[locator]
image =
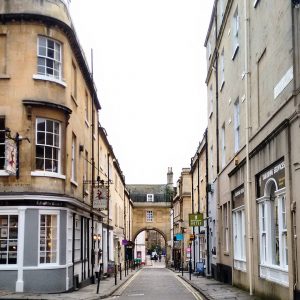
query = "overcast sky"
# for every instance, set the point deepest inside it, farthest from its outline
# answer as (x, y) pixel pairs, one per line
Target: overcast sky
(149, 69)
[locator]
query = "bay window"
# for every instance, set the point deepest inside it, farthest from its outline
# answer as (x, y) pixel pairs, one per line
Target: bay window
(48, 145)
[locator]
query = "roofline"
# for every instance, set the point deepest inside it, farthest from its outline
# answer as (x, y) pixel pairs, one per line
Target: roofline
(69, 33)
(210, 22)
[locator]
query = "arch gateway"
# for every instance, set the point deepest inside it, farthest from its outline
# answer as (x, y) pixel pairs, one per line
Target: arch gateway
(152, 208)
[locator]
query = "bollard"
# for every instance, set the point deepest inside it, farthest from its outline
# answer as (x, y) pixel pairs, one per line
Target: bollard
(116, 271)
(190, 269)
(120, 268)
(99, 277)
(182, 269)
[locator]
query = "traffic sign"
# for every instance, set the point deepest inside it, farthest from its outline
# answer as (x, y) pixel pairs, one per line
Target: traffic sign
(195, 219)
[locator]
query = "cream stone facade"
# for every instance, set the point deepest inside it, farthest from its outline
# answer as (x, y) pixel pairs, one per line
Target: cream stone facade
(53, 239)
(253, 150)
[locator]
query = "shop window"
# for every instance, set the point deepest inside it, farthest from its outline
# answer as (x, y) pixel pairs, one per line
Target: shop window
(8, 239)
(48, 239)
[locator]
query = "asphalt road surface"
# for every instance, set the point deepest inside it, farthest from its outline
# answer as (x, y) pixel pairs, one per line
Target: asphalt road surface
(156, 284)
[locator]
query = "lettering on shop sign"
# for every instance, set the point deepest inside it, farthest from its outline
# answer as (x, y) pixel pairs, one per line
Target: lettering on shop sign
(238, 197)
(276, 172)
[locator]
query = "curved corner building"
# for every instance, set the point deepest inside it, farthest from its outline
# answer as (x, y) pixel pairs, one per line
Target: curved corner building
(48, 108)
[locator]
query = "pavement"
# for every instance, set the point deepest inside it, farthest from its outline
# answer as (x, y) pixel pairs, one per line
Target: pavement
(215, 290)
(107, 288)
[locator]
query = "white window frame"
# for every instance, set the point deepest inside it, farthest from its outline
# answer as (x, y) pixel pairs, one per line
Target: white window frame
(235, 32)
(222, 69)
(51, 213)
(223, 146)
(236, 125)
(77, 238)
(69, 248)
(149, 216)
(209, 50)
(255, 2)
(211, 101)
(226, 227)
(56, 60)
(211, 163)
(150, 197)
(8, 239)
(2, 143)
(222, 11)
(268, 268)
(44, 171)
(239, 238)
(73, 159)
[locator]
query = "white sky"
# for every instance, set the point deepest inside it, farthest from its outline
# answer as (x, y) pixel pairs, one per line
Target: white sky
(149, 69)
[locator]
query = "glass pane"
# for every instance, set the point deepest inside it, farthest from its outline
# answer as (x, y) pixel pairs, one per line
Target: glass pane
(12, 257)
(50, 53)
(50, 44)
(2, 136)
(42, 51)
(43, 220)
(3, 257)
(3, 220)
(12, 245)
(2, 150)
(49, 126)
(49, 139)
(40, 151)
(40, 125)
(49, 63)
(13, 233)
(56, 140)
(41, 70)
(42, 41)
(48, 152)
(53, 257)
(48, 165)
(55, 166)
(2, 162)
(56, 127)
(49, 71)
(49, 245)
(3, 245)
(41, 138)
(55, 153)
(39, 164)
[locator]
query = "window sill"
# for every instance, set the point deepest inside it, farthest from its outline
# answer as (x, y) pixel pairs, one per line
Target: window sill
(3, 173)
(226, 253)
(255, 3)
(47, 174)
(74, 182)
(235, 52)
(4, 76)
(87, 123)
(48, 78)
(210, 114)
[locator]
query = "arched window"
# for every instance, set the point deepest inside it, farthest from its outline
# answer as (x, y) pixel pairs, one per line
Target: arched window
(273, 231)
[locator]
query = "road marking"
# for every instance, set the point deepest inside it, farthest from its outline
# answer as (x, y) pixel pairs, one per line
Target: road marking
(135, 295)
(125, 285)
(189, 288)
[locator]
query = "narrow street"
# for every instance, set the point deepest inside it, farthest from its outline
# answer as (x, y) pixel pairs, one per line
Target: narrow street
(156, 282)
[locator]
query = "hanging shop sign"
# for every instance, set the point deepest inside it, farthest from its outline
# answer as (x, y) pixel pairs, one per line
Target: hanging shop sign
(195, 219)
(238, 197)
(11, 157)
(179, 237)
(275, 172)
(100, 200)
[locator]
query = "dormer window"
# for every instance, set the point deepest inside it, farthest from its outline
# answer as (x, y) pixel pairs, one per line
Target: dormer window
(150, 197)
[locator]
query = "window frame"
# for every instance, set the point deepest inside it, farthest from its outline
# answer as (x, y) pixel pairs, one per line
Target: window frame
(59, 161)
(2, 144)
(237, 125)
(223, 146)
(235, 32)
(51, 213)
(149, 216)
(150, 197)
(74, 159)
(44, 75)
(222, 68)
(8, 239)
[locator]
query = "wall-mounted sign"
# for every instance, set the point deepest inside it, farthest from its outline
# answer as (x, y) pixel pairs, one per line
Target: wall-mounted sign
(195, 219)
(276, 172)
(238, 197)
(124, 242)
(100, 200)
(11, 157)
(179, 237)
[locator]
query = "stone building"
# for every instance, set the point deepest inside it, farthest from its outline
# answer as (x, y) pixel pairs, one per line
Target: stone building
(51, 236)
(253, 149)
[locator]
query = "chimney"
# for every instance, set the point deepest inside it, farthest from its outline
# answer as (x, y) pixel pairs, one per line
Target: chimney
(170, 178)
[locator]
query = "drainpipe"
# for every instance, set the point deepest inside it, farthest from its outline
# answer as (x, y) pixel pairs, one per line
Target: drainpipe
(248, 178)
(207, 208)
(108, 207)
(194, 248)
(198, 194)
